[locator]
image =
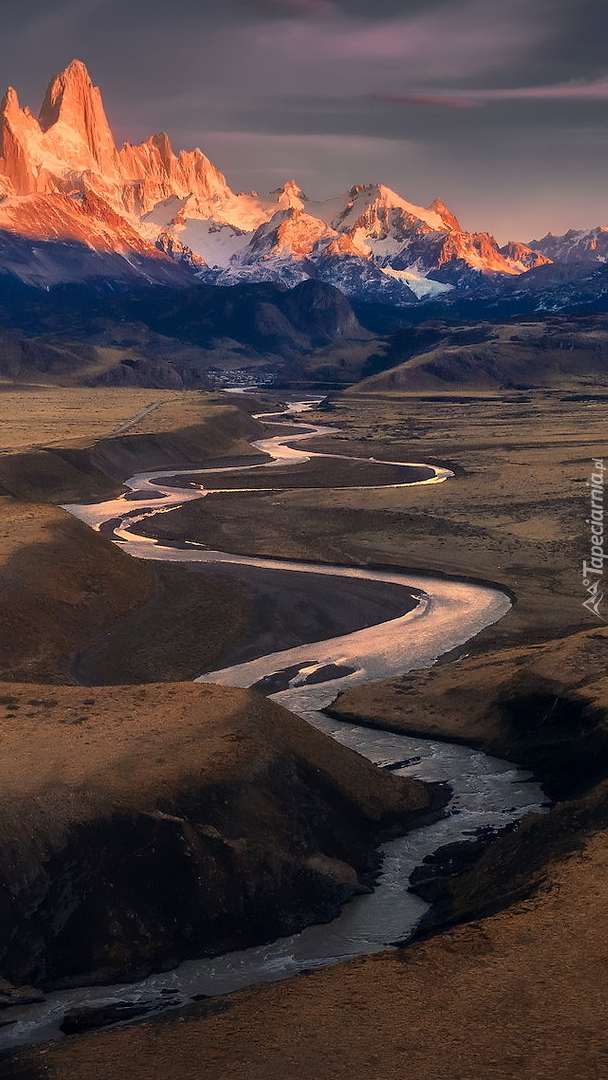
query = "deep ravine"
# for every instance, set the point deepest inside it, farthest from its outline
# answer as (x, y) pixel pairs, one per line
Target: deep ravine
(487, 792)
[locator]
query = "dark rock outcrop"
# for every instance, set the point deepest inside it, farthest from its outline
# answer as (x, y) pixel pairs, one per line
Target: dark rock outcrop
(143, 825)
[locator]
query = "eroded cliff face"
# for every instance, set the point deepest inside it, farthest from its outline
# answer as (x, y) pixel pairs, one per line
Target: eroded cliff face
(543, 706)
(142, 825)
(63, 183)
(182, 203)
(70, 147)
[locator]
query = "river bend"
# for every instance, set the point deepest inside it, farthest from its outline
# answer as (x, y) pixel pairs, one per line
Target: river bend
(487, 792)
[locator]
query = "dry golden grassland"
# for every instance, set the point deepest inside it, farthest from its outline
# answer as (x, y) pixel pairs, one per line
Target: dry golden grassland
(43, 416)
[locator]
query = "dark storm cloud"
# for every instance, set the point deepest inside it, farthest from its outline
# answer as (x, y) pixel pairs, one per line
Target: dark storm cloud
(289, 9)
(463, 98)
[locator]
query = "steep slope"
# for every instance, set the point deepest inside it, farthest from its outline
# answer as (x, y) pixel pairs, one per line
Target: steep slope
(71, 139)
(151, 172)
(548, 354)
(70, 147)
(370, 242)
(575, 246)
(144, 825)
(571, 286)
(50, 238)
(73, 206)
(138, 334)
(523, 257)
(372, 212)
(73, 106)
(368, 231)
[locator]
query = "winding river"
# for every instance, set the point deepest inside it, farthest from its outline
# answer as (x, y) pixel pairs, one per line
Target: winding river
(487, 793)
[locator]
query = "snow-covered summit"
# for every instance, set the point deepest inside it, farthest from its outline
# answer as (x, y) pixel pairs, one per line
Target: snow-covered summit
(182, 204)
(577, 245)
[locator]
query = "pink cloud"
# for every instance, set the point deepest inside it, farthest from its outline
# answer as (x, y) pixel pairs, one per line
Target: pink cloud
(425, 99)
(467, 37)
(596, 90)
(346, 55)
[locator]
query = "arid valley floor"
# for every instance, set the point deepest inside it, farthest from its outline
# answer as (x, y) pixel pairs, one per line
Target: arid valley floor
(509, 979)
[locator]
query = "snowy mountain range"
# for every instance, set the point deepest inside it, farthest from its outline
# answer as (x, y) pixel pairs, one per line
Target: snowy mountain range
(75, 206)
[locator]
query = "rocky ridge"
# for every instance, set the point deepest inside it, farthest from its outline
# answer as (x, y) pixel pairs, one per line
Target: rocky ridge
(575, 246)
(143, 825)
(146, 200)
(146, 823)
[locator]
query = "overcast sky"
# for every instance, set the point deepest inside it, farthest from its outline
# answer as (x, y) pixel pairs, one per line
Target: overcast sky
(500, 107)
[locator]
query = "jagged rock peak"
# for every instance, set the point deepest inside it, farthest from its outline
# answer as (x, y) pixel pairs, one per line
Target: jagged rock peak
(74, 82)
(10, 101)
(162, 143)
(522, 256)
(290, 233)
(438, 207)
(72, 99)
(291, 193)
(291, 196)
